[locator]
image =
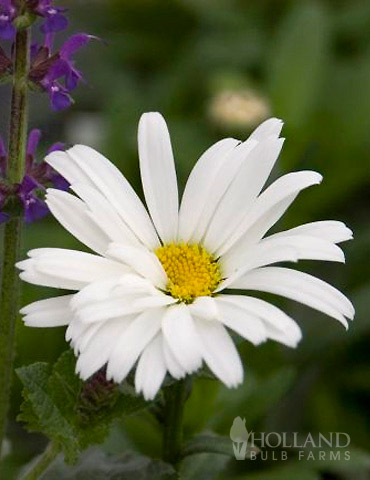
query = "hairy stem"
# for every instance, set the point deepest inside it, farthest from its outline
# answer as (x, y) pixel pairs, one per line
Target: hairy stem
(12, 229)
(42, 464)
(175, 398)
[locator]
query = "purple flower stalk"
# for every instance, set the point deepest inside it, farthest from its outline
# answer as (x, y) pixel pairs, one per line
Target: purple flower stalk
(7, 14)
(39, 175)
(55, 21)
(56, 73)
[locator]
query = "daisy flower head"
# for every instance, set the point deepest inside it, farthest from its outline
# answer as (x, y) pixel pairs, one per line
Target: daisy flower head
(155, 294)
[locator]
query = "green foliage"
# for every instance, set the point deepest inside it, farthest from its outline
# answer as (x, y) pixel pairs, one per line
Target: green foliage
(205, 466)
(95, 465)
(211, 443)
(41, 411)
(297, 62)
(71, 413)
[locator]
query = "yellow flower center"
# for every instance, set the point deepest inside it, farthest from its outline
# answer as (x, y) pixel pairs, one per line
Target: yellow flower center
(191, 271)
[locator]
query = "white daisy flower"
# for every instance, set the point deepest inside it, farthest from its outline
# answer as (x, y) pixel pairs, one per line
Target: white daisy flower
(152, 294)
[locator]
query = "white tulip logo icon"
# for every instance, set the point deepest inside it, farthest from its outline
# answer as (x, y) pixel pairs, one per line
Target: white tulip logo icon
(239, 436)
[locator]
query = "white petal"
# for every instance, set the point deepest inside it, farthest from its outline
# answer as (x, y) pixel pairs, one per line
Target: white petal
(125, 305)
(95, 292)
(142, 261)
(268, 208)
(123, 287)
(219, 352)
(72, 265)
(179, 331)
(132, 342)
(32, 275)
(205, 308)
(278, 249)
(81, 339)
(225, 175)
(279, 326)
(63, 163)
(236, 203)
(289, 337)
(271, 127)
(241, 321)
(75, 330)
(172, 365)
(199, 185)
(158, 174)
(100, 347)
(151, 369)
(72, 214)
(329, 230)
(52, 312)
(301, 287)
(235, 265)
(220, 180)
(113, 185)
(104, 215)
(308, 248)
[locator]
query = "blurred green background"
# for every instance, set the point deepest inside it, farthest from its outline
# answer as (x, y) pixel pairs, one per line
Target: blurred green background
(216, 68)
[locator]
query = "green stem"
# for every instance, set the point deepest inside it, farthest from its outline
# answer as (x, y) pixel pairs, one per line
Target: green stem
(12, 229)
(42, 464)
(175, 398)
(19, 108)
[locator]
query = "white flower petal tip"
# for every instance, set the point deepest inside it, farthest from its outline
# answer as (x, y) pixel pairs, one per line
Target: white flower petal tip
(270, 127)
(158, 174)
(181, 335)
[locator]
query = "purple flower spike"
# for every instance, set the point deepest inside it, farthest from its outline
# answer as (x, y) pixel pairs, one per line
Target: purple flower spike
(57, 146)
(55, 21)
(74, 43)
(3, 160)
(34, 207)
(7, 15)
(4, 217)
(33, 141)
(68, 49)
(56, 73)
(39, 176)
(59, 98)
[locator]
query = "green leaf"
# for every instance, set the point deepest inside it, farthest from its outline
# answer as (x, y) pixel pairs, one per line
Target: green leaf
(41, 410)
(95, 465)
(212, 443)
(253, 400)
(70, 412)
(297, 61)
(267, 394)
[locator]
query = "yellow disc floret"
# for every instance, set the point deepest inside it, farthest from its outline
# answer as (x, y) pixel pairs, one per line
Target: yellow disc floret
(191, 271)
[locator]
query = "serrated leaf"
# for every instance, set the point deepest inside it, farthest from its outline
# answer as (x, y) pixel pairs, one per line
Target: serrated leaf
(28, 416)
(70, 412)
(95, 465)
(35, 380)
